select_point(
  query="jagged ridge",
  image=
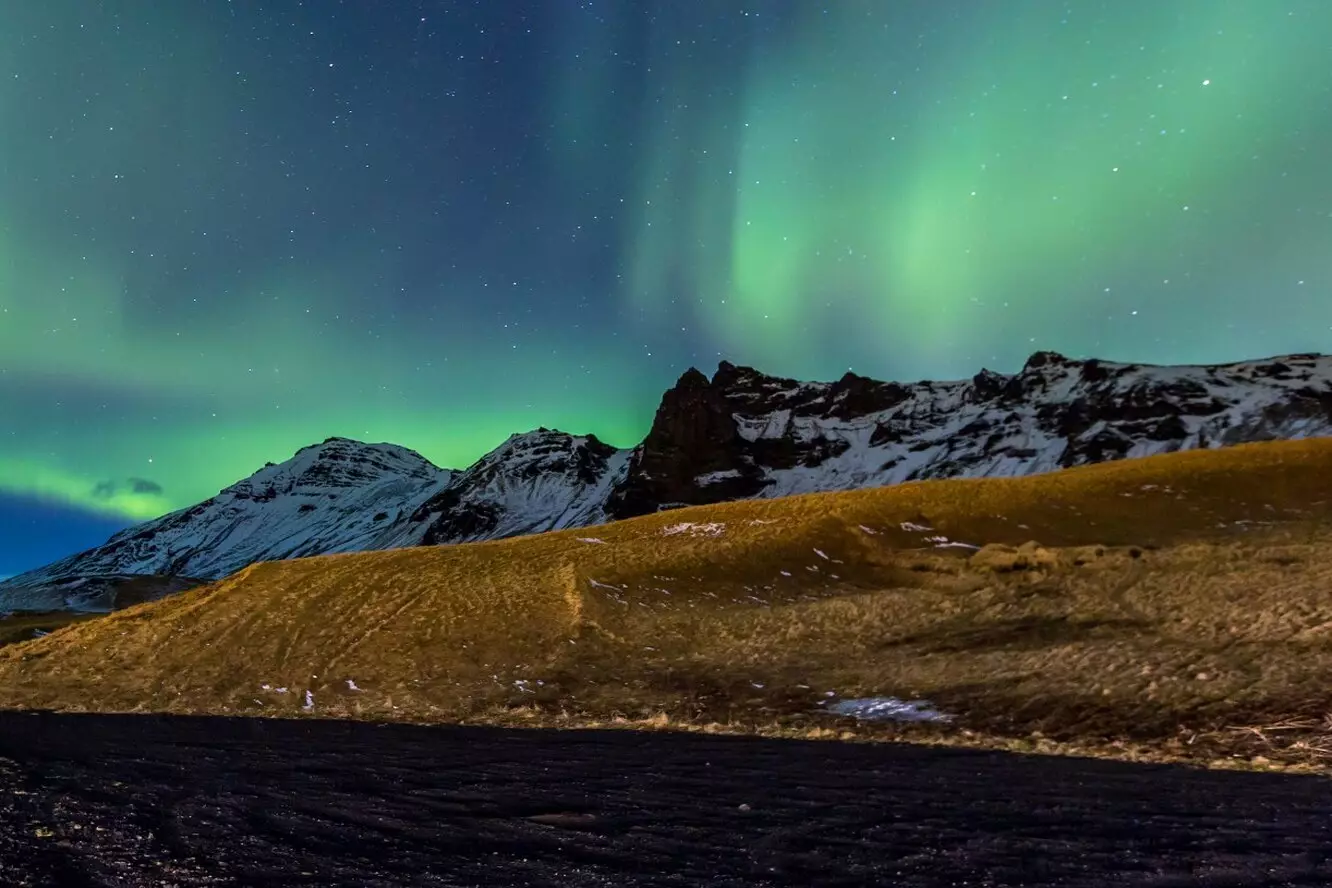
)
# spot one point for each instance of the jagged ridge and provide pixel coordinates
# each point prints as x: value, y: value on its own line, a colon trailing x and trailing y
x: 745, y: 434
x: 740, y: 434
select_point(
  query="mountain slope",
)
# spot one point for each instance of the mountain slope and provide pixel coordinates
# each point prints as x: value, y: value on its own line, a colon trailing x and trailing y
x: 738, y: 435
x: 337, y: 496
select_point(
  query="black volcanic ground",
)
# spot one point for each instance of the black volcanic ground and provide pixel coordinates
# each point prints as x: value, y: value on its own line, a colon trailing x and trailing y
x: 163, y: 801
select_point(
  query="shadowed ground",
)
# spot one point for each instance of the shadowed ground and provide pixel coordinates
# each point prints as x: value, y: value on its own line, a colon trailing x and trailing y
x: 167, y: 800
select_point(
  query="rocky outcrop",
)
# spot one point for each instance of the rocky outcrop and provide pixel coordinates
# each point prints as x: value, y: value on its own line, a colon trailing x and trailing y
x: 693, y: 436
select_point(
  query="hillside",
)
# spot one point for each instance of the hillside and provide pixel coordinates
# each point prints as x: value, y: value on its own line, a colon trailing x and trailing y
x: 739, y: 435
x: 1191, y: 589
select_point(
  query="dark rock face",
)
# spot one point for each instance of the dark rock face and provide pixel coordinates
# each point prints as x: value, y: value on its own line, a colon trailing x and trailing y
x: 695, y: 453
x: 448, y: 521
x: 987, y: 385
x: 692, y: 434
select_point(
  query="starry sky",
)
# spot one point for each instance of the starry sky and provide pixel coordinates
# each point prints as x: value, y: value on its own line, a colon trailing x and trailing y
x: 231, y: 228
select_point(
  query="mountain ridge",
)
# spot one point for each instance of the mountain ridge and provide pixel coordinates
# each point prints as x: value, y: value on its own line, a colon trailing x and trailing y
x: 739, y: 434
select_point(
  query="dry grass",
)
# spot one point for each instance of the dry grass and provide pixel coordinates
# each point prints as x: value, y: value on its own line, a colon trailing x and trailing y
x: 1168, y: 600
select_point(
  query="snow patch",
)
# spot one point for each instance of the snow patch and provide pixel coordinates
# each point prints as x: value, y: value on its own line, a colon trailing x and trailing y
x: 714, y: 477
x: 888, y: 709
x: 709, y: 528
x: 943, y: 542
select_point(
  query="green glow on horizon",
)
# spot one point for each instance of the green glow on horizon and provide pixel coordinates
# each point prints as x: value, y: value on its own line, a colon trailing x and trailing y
x: 40, y: 480
x: 267, y: 392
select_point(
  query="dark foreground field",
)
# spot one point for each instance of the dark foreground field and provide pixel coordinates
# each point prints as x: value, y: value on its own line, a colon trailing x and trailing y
x: 166, y: 800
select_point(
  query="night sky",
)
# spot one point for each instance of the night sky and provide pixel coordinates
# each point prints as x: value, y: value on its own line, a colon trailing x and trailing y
x: 231, y: 229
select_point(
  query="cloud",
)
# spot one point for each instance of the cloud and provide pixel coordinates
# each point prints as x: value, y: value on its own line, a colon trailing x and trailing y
x: 143, y: 485
x: 110, y: 488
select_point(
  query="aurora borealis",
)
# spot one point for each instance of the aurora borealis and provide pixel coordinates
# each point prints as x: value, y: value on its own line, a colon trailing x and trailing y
x: 230, y: 229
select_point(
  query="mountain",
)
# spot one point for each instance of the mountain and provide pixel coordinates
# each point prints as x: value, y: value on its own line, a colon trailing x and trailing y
x: 740, y: 434
x: 338, y: 496
x: 539, y: 481
x: 743, y: 434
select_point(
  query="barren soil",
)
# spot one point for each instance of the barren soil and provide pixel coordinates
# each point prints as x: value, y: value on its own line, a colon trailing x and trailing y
x: 91, y: 800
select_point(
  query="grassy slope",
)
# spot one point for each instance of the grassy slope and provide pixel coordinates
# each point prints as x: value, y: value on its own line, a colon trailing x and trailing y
x: 1193, y: 590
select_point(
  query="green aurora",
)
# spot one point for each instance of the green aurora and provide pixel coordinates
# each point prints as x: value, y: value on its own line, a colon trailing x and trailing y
x: 227, y: 233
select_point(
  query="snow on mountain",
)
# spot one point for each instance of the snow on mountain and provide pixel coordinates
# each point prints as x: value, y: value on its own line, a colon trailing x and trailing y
x: 740, y: 434
x: 337, y: 496
x: 744, y: 434
x: 340, y: 496
x: 539, y: 481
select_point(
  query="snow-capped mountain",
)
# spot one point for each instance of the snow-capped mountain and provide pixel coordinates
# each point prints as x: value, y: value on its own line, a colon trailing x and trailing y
x: 740, y: 434
x: 744, y: 434
x: 338, y: 496
x: 539, y: 481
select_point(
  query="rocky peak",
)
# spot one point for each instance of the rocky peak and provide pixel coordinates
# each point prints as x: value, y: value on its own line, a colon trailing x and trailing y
x: 748, y: 391
x: 987, y: 385
x: 693, y: 433
x: 692, y: 379
x: 542, y: 451
x: 744, y: 383
x: 333, y: 465
x: 535, y: 481
x: 1042, y: 359
x: 855, y: 395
